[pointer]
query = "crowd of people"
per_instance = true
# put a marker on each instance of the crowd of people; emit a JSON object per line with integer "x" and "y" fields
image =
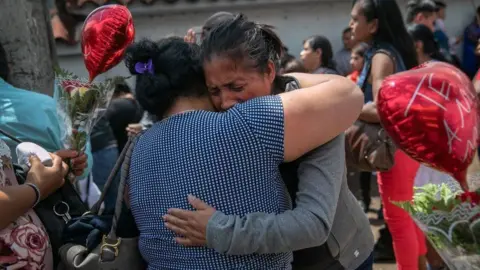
{"x": 239, "y": 162}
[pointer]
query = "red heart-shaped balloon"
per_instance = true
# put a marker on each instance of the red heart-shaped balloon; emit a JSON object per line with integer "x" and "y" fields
{"x": 106, "y": 34}
{"x": 431, "y": 114}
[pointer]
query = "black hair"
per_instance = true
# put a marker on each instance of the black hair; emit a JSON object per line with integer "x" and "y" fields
{"x": 294, "y": 65}
{"x": 478, "y": 10}
{"x": 346, "y": 30}
{"x": 420, "y": 32}
{"x": 215, "y": 20}
{"x": 286, "y": 58}
{"x": 245, "y": 41}
{"x": 322, "y": 43}
{"x": 360, "y": 49}
{"x": 440, "y": 4}
{"x": 4, "y": 69}
{"x": 121, "y": 86}
{"x": 415, "y": 7}
{"x": 177, "y": 72}
{"x": 391, "y": 28}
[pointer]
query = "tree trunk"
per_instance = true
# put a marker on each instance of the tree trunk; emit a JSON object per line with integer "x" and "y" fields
{"x": 25, "y": 34}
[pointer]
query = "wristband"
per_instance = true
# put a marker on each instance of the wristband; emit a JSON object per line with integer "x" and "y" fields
{"x": 37, "y": 193}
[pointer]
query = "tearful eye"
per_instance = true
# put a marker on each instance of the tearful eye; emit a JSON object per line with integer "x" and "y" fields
{"x": 213, "y": 91}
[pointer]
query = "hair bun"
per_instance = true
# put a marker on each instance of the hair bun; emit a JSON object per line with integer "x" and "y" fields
{"x": 163, "y": 70}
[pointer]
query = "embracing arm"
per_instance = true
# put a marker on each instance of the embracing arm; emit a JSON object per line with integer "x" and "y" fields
{"x": 382, "y": 67}
{"x": 331, "y": 100}
{"x": 308, "y": 225}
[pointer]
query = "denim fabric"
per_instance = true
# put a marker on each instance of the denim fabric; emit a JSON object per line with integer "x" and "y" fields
{"x": 103, "y": 163}
{"x": 362, "y": 81}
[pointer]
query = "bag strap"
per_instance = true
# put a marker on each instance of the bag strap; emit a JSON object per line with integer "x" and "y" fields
{"x": 96, "y": 207}
{"x": 121, "y": 186}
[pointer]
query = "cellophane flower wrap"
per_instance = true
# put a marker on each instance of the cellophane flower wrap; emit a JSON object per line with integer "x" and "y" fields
{"x": 450, "y": 219}
{"x": 79, "y": 104}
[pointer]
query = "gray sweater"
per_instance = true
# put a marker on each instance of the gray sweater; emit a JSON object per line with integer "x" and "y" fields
{"x": 326, "y": 211}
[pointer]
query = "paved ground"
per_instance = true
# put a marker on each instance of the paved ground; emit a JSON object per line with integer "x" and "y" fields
{"x": 375, "y": 224}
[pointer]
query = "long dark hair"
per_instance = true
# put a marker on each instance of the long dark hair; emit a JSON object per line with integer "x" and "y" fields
{"x": 391, "y": 28}
{"x": 320, "y": 42}
{"x": 420, "y": 32}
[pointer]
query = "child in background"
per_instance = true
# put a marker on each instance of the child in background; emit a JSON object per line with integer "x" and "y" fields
{"x": 357, "y": 60}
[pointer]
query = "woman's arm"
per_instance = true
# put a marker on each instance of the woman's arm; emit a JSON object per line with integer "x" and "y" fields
{"x": 382, "y": 67}
{"x": 17, "y": 200}
{"x": 325, "y": 107}
{"x": 308, "y": 225}
{"x": 14, "y": 202}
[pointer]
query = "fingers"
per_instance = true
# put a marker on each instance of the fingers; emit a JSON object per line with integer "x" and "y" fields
{"x": 177, "y": 230}
{"x": 65, "y": 153}
{"x": 197, "y": 203}
{"x": 34, "y": 160}
{"x": 80, "y": 162}
{"x": 190, "y": 242}
{"x": 180, "y": 213}
{"x": 56, "y": 161}
{"x": 187, "y": 227}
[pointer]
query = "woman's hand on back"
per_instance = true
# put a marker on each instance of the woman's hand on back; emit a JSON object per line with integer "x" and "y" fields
{"x": 190, "y": 226}
{"x": 47, "y": 179}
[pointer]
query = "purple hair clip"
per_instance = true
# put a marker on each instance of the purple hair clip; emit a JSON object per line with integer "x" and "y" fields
{"x": 142, "y": 68}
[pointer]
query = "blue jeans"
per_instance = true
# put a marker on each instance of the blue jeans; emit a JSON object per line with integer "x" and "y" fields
{"x": 367, "y": 264}
{"x": 103, "y": 163}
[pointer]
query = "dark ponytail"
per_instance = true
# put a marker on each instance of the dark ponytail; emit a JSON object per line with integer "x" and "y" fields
{"x": 165, "y": 70}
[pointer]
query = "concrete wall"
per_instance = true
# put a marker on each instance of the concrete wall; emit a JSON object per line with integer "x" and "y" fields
{"x": 294, "y": 22}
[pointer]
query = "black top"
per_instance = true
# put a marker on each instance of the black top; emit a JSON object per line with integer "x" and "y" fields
{"x": 102, "y": 136}
{"x": 121, "y": 113}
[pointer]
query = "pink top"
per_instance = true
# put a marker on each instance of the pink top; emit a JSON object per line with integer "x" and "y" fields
{"x": 24, "y": 243}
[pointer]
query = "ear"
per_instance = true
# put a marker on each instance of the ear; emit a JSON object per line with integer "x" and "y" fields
{"x": 318, "y": 52}
{"x": 271, "y": 71}
{"x": 373, "y": 26}
{"x": 419, "y": 46}
{"x": 419, "y": 18}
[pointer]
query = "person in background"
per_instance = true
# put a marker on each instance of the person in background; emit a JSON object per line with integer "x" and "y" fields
{"x": 422, "y": 12}
{"x": 380, "y": 23}
{"x": 357, "y": 59}
{"x": 425, "y": 44}
{"x": 446, "y": 45}
{"x": 471, "y": 36}
{"x": 293, "y": 66}
{"x": 342, "y": 58}
{"x": 123, "y": 111}
{"x": 24, "y": 242}
{"x": 105, "y": 154}
{"x": 317, "y": 55}
{"x": 32, "y": 117}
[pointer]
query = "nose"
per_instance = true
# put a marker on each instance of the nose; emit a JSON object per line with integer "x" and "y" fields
{"x": 228, "y": 99}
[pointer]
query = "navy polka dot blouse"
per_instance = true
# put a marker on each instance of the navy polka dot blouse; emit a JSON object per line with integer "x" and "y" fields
{"x": 230, "y": 160}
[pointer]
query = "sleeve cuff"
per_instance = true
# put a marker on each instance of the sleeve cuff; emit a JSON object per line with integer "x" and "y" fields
{"x": 217, "y": 228}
